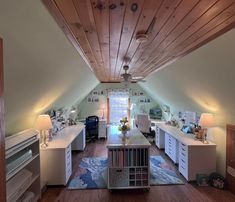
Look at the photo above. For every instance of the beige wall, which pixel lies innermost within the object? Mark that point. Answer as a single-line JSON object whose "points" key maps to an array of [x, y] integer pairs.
{"points": [[203, 81], [42, 69]]}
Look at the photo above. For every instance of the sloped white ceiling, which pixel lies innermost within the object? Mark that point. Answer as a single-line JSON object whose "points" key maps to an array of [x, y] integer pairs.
{"points": [[41, 68], [202, 81]]}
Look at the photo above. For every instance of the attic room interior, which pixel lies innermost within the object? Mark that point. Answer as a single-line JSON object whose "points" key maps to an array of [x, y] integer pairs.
{"points": [[117, 100]]}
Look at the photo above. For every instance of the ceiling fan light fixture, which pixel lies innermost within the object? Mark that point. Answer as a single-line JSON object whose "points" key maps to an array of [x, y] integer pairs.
{"points": [[141, 38]]}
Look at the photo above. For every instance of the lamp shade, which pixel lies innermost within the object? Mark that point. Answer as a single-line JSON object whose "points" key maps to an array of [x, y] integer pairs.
{"points": [[206, 120], [43, 122]]}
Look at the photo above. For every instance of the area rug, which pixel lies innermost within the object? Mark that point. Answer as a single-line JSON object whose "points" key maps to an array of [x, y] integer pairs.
{"points": [[92, 173]]}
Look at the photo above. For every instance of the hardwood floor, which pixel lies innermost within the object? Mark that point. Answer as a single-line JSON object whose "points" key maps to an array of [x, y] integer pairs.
{"points": [[169, 193]]}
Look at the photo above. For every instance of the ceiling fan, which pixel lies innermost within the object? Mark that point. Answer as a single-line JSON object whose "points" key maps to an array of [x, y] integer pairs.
{"points": [[126, 77]]}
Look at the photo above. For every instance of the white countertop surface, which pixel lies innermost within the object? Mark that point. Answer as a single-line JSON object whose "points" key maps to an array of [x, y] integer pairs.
{"points": [[65, 137], [134, 138], [187, 139]]}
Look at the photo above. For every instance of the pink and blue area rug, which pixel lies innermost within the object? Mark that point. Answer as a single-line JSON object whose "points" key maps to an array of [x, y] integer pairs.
{"points": [[93, 173]]}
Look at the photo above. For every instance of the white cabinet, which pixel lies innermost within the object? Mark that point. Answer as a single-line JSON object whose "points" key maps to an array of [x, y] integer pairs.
{"points": [[57, 165], [159, 138], [23, 166], [196, 160], [171, 147], [102, 133]]}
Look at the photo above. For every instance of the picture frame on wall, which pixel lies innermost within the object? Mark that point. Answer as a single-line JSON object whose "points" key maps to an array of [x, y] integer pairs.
{"points": [[141, 93], [89, 99], [141, 100], [95, 99], [135, 93], [94, 92]]}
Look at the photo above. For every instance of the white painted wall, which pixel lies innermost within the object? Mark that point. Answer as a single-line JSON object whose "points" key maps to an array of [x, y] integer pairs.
{"points": [[42, 69], [202, 81]]}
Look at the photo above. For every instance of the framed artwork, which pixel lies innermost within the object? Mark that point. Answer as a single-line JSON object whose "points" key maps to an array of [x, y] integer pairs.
{"points": [[95, 99], [89, 100], [141, 100], [135, 93], [94, 92], [141, 93]]}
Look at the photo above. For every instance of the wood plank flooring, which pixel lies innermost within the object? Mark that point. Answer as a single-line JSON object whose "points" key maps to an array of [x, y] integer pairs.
{"points": [[169, 193]]}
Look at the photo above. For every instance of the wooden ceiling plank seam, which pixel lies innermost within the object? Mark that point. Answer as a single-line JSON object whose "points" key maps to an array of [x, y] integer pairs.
{"points": [[133, 17], [206, 14], [201, 8], [231, 25], [74, 38], [115, 28], [186, 7], [181, 28], [99, 18], [87, 23], [200, 40], [214, 20], [119, 43], [163, 14], [55, 12], [144, 21], [147, 52]]}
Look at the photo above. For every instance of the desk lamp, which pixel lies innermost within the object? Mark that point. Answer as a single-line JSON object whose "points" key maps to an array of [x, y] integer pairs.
{"points": [[206, 121], [43, 124]]}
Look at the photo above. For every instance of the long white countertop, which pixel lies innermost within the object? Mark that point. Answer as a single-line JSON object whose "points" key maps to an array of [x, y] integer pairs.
{"points": [[134, 138], [65, 137], [187, 139]]}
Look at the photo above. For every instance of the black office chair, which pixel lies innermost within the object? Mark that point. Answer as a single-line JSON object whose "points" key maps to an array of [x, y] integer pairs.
{"points": [[92, 127]]}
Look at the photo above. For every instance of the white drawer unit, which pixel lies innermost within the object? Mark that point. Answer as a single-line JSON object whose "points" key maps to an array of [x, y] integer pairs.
{"points": [[159, 138], [58, 165], [171, 147], [196, 160], [102, 129]]}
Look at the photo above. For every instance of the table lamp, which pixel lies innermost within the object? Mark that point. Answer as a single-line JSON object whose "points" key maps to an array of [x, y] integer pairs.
{"points": [[206, 121], [43, 124]]}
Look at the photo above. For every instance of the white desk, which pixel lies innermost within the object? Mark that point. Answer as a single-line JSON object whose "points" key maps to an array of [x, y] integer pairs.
{"points": [[193, 156], [56, 159]]}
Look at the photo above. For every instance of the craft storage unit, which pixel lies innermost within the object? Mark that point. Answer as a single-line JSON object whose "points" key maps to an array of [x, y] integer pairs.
{"points": [[128, 162], [23, 167], [159, 138]]}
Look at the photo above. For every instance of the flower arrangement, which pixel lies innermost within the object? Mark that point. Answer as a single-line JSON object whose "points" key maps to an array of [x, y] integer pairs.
{"points": [[124, 127]]}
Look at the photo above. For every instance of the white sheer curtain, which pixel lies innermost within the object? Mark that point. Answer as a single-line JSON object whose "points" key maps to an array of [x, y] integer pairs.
{"points": [[118, 105]]}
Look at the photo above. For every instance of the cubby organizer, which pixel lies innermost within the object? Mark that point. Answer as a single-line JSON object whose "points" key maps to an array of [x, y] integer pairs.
{"points": [[128, 163]]}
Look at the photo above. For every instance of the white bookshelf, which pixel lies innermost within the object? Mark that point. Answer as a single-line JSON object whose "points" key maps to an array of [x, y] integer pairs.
{"points": [[23, 166], [128, 161]]}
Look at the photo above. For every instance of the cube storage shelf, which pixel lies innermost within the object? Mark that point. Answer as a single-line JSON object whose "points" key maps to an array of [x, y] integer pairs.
{"points": [[23, 166], [128, 162]]}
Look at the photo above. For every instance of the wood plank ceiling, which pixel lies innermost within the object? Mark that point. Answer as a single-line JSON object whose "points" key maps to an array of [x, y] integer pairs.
{"points": [[104, 31]]}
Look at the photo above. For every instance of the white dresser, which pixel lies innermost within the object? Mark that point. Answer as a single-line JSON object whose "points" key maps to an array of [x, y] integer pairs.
{"points": [[171, 147], [193, 157], [102, 133], [56, 159]]}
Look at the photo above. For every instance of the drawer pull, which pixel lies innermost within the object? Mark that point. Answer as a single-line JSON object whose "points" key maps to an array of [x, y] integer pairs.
{"points": [[182, 160], [183, 154], [182, 167], [183, 144], [183, 149]]}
